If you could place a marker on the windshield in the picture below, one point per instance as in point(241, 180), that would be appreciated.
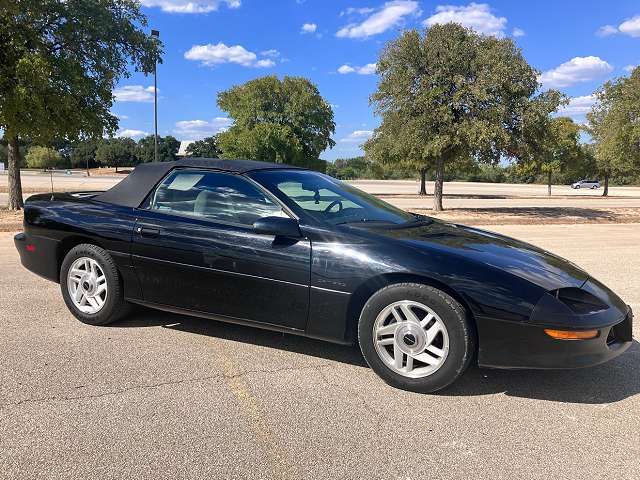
point(327, 199)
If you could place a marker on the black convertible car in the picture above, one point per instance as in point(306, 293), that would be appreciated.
point(297, 251)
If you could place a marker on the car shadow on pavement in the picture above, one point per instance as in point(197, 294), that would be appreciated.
point(244, 334)
point(607, 383)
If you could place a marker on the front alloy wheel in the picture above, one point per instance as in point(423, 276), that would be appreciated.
point(411, 339)
point(416, 337)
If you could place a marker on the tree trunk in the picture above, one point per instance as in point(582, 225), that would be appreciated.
point(549, 184)
point(438, 185)
point(423, 182)
point(13, 167)
point(605, 192)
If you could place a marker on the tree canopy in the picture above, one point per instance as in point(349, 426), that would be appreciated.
point(83, 153)
point(116, 152)
point(615, 127)
point(555, 149)
point(59, 64)
point(167, 149)
point(205, 148)
point(285, 121)
point(451, 95)
point(43, 157)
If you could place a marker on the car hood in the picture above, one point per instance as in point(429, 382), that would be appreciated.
point(526, 261)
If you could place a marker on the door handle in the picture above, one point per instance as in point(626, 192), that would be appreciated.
point(148, 230)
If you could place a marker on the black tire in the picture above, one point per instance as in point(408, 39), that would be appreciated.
point(577, 187)
point(115, 307)
point(461, 333)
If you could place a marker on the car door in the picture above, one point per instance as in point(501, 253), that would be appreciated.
point(194, 248)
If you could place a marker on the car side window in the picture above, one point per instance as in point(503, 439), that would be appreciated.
point(213, 195)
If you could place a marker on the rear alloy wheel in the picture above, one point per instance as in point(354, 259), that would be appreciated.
point(416, 337)
point(87, 285)
point(91, 285)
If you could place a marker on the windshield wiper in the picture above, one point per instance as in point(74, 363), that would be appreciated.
point(362, 220)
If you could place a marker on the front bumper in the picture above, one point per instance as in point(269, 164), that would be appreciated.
point(516, 345)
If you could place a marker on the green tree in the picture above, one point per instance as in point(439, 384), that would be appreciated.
point(556, 150)
point(205, 148)
point(614, 126)
point(167, 149)
point(83, 153)
point(285, 121)
point(450, 96)
point(116, 152)
point(59, 64)
point(43, 157)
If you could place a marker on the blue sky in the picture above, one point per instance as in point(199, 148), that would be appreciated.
point(211, 45)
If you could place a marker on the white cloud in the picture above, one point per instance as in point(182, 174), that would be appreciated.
point(367, 69)
point(631, 26)
point(606, 30)
point(308, 28)
point(518, 32)
point(391, 14)
point(211, 55)
point(629, 68)
point(132, 133)
point(357, 136)
point(476, 16)
point(273, 53)
point(576, 70)
point(358, 11)
point(199, 129)
point(265, 63)
point(189, 6)
point(134, 93)
point(578, 106)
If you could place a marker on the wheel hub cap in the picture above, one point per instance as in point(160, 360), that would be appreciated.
point(87, 285)
point(411, 339)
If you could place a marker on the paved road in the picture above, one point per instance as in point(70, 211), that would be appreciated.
point(166, 396)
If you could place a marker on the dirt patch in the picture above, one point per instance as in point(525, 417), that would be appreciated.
point(110, 171)
point(10, 221)
point(535, 215)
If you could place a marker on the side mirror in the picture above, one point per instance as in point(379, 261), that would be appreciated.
point(278, 226)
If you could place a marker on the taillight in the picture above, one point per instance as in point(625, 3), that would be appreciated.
point(30, 247)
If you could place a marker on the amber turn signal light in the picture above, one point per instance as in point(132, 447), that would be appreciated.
point(571, 334)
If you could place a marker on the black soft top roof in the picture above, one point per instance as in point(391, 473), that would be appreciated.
point(132, 190)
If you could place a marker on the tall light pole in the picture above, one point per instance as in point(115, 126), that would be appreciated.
point(155, 33)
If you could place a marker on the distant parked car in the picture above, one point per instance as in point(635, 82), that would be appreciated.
point(586, 184)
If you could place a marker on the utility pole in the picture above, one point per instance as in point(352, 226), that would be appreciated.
point(155, 33)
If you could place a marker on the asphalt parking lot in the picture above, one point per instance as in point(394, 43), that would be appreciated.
point(167, 396)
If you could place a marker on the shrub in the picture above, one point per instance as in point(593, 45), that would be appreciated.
point(43, 157)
